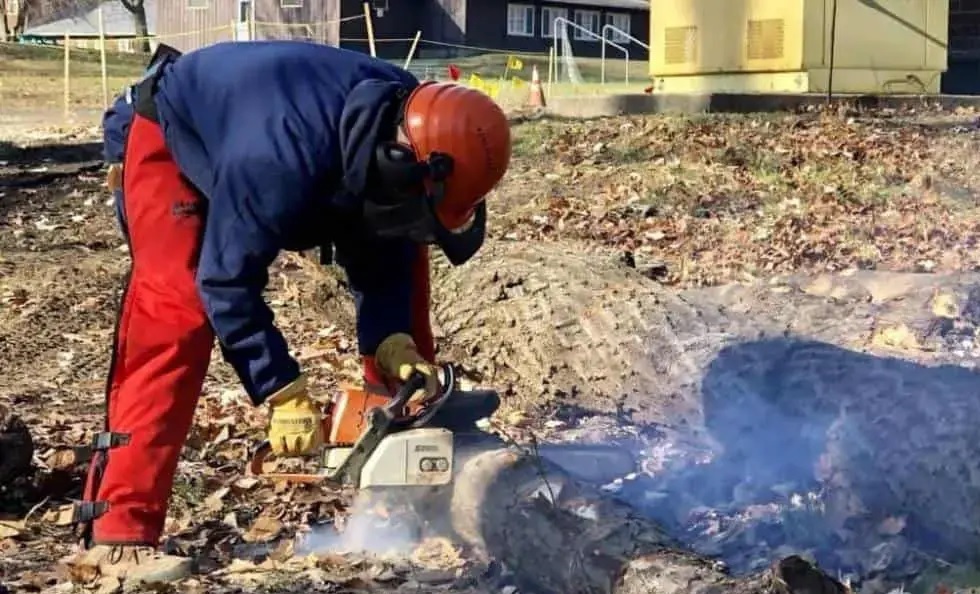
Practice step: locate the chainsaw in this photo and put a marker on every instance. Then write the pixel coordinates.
(376, 440)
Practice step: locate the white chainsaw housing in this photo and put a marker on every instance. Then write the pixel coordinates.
(417, 457)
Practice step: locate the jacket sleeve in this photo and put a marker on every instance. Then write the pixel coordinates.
(255, 198)
(379, 274)
(115, 125)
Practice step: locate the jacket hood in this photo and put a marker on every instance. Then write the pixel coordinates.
(367, 119)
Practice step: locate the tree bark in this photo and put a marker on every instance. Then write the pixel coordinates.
(138, 10)
(13, 25)
(560, 537)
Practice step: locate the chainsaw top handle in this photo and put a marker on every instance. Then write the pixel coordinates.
(430, 407)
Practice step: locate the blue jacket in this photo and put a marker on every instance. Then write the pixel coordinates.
(115, 126)
(279, 136)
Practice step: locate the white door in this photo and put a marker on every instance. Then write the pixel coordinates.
(242, 30)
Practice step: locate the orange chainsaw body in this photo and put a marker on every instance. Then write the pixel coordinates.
(345, 419)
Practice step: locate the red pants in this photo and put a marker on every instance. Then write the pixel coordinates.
(163, 347)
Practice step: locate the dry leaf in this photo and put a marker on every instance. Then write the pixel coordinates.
(246, 483)
(214, 501)
(896, 337)
(263, 529)
(67, 458)
(944, 306)
(60, 516)
(11, 528)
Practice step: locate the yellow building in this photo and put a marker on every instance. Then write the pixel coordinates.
(784, 46)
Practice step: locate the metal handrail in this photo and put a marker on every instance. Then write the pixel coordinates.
(609, 27)
(602, 64)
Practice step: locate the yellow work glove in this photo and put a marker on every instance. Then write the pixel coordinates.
(294, 426)
(398, 357)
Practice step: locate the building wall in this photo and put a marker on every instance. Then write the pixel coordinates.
(964, 27)
(487, 27)
(476, 23)
(188, 28)
(400, 21)
(445, 21)
(963, 73)
(313, 20)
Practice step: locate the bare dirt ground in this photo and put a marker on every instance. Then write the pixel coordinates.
(709, 291)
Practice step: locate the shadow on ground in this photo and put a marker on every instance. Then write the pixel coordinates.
(31, 167)
(55, 153)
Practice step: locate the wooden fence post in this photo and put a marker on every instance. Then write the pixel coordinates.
(105, 70)
(370, 29)
(67, 77)
(411, 51)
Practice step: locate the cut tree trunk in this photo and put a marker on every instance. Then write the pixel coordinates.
(852, 385)
(560, 537)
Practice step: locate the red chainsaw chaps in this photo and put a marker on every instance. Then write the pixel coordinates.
(162, 346)
(420, 320)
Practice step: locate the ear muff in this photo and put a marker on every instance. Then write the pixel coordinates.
(398, 167)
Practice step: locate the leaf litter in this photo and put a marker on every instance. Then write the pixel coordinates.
(690, 201)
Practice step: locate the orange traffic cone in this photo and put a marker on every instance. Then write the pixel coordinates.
(537, 94)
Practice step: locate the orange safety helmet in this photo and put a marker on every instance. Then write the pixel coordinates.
(432, 179)
(472, 130)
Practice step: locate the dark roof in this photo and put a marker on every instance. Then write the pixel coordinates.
(118, 22)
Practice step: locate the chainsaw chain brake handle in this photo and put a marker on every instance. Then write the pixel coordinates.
(383, 421)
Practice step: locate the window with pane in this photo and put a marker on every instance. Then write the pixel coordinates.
(588, 20)
(621, 23)
(520, 20)
(548, 16)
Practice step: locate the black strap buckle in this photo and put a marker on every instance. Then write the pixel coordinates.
(86, 511)
(107, 440)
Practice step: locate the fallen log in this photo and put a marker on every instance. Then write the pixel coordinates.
(561, 537)
(861, 388)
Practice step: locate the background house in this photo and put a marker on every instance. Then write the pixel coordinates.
(518, 26)
(83, 27)
(447, 25)
(189, 24)
(963, 74)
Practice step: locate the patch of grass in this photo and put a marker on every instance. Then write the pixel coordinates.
(33, 76)
(531, 139)
(492, 66)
